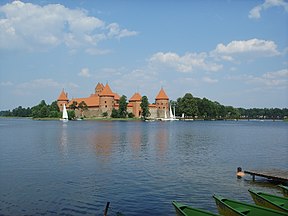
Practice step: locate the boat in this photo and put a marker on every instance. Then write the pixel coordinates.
(228, 207)
(284, 190)
(184, 210)
(171, 116)
(270, 201)
(64, 114)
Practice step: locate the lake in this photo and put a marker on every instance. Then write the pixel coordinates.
(74, 168)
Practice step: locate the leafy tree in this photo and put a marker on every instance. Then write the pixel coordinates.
(188, 105)
(54, 106)
(145, 107)
(83, 107)
(105, 114)
(71, 114)
(73, 106)
(131, 115)
(123, 107)
(114, 113)
(43, 112)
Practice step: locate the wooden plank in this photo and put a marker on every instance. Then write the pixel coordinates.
(278, 175)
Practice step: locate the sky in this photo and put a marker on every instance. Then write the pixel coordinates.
(234, 51)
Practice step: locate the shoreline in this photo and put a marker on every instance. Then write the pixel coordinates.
(139, 119)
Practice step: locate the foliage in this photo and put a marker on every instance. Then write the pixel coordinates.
(122, 112)
(71, 114)
(131, 115)
(207, 109)
(187, 105)
(73, 106)
(115, 113)
(83, 107)
(105, 114)
(145, 107)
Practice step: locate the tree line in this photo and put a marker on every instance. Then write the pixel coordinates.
(191, 107)
(42, 110)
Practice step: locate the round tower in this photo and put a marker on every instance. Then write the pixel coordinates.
(135, 100)
(106, 100)
(162, 103)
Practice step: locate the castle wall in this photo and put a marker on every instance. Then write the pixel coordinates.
(153, 112)
(106, 104)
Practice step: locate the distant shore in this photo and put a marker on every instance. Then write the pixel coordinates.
(137, 119)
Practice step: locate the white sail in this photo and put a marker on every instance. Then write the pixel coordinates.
(174, 116)
(64, 114)
(165, 115)
(170, 112)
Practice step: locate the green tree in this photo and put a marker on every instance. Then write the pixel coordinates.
(188, 105)
(131, 115)
(114, 113)
(44, 112)
(71, 114)
(83, 107)
(105, 114)
(73, 106)
(54, 106)
(123, 107)
(145, 108)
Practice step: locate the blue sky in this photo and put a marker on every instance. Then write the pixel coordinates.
(233, 52)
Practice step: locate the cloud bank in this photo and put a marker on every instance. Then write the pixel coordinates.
(255, 13)
(210, 61)
(32, 27)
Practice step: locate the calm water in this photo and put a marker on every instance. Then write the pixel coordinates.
(74, 168)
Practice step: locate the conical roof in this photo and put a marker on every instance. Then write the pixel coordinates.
(99, 87)
(136, 97)
(62, 96)
(107, 91)
(162, 95)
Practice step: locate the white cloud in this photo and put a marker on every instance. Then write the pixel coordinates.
(275, 79)
(116, 31)
(84, 72)
(32, 27)
(255, 13)
(255, 46)
(7, 83)
(209, 80)
(186, 63)
(237, 51)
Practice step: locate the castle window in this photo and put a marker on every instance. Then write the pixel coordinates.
(105, 101)
(106, 106)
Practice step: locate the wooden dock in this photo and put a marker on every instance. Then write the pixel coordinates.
(275, 175)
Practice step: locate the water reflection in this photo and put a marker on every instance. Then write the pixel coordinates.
(64, 139)
(162, 140)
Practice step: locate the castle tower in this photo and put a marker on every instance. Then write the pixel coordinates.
(135, 100)
(162, 103)
(106, 100)
(99, 88)
(62, 99)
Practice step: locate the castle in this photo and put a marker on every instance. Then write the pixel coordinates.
(103, 100)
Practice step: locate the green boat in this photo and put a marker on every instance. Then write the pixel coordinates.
(270, 201)
(284, 190)
(184, 210)
(228, 207)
